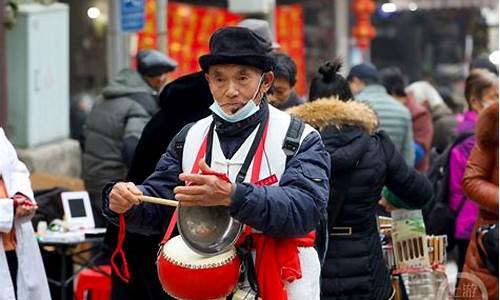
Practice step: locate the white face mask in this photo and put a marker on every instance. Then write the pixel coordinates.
(246, 111)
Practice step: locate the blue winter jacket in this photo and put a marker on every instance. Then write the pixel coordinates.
(291, 209)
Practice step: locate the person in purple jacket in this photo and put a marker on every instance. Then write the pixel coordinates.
(481, 89)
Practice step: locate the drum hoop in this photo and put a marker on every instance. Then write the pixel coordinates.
(207, 266)
(175, 296)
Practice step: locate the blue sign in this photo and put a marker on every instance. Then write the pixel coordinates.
(132, 15)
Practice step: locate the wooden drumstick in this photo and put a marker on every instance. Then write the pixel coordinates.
(160, 201)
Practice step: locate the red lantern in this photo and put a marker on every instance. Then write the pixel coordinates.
(363, 31)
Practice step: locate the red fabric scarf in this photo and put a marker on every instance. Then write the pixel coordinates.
(276, 261)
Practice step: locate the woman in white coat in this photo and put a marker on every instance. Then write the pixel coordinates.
(21, 267)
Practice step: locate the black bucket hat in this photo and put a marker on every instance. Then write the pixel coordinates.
(237, 45)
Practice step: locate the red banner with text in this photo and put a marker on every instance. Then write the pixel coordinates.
(189, 29)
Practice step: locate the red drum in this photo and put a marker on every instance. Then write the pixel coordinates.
(184, 274)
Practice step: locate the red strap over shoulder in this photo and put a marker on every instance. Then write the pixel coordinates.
(170, 228)
(257, 162)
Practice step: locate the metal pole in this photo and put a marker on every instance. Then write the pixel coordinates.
(161, 25)
(118, 45)
(367, 54)
(271, 18)
(3, 71)
(341, 12)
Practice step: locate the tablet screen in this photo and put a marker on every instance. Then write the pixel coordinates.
(76, 207)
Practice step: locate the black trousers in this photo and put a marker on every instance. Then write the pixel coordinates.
(13, 267)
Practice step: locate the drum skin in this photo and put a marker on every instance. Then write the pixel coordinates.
(200, 282)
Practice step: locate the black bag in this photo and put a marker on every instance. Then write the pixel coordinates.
(487, 246)
(49, 205)
(439, 218)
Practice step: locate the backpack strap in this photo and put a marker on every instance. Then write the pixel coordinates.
(180, 139)
(292, 139)
(461, 137)
(458, 140)
(460, 206)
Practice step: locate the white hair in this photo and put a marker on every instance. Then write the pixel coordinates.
(423, 91)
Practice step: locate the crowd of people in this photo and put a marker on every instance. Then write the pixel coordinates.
(362, 147)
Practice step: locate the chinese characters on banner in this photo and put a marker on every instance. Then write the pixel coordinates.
(290, 36)
(190, 28)
(147, 37)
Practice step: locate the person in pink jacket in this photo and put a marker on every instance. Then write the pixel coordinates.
(481, 89)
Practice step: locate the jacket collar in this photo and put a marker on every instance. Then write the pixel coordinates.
(333, 112)
(373, 89)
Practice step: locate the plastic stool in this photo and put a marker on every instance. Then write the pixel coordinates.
(96, 280)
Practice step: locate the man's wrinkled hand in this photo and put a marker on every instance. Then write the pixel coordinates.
(123, 196)
(204, 190)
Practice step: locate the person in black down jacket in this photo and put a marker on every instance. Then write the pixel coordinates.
(363, 160)
(182, 101)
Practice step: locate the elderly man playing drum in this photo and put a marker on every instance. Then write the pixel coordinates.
(277, 170)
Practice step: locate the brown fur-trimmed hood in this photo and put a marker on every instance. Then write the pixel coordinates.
(487, 127)
(334, 112)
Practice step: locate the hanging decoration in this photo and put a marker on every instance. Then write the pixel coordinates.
(189, 29)
(363, 31)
